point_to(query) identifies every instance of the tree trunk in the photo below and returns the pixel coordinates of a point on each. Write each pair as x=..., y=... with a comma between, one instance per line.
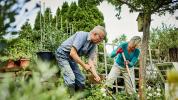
x=173, y=54
x=144, y=48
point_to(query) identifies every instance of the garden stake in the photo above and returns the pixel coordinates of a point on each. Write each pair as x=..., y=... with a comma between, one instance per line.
x=113, y=97
x=127, y=68
x=128, y=71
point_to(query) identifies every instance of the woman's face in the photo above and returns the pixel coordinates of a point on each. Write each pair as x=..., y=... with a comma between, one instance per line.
x=131, y=46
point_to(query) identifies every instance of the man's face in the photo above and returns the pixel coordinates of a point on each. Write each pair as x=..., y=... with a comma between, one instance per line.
x=97, y=36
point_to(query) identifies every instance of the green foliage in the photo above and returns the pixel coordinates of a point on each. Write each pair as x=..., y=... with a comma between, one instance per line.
x=9, y=9
x=95, y=93
x=6, y=13
x=153, y=93
x=57, y=19
x=121, y=38
x=21, y=48
x=68, y=20
x=163, y=39
x=146, y=6
x=34, y=85
x=70, y=14
x=37, y=21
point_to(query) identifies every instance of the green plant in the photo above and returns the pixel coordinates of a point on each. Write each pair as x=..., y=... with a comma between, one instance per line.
x=34, y=85
x=95, y=93
x=124, y=96
x=154, y=93
x=21, y=48
x=163, y=39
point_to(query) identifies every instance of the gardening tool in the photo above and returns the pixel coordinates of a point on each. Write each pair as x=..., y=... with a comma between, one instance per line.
x=127, y=67
x=108, y=92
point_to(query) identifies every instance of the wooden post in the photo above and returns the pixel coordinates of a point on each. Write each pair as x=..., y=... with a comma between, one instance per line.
x=96, y=60
x=105, y=61
x=151, y=62
x=116, y=79
x=140, y=91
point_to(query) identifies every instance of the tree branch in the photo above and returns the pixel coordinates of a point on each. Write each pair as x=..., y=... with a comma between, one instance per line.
x=131, y=6
x=160, y=6
x=165, y=9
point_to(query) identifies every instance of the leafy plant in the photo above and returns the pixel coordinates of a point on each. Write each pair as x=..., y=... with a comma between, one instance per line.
x=31, y=86
x=21, y=48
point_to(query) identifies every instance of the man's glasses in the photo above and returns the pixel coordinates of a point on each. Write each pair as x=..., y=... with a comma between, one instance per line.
x=100, y=37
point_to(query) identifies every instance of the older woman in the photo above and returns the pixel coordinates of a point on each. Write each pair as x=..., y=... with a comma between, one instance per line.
x=131, y=53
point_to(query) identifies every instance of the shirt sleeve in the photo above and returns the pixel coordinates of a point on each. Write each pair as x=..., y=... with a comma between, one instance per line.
x=114, y=52
x=135, y=58
x=79, y=40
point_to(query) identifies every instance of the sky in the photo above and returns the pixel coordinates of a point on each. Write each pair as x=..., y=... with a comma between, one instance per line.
x=126, y=25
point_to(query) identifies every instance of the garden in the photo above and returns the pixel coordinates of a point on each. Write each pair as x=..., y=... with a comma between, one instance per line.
x=29, y=70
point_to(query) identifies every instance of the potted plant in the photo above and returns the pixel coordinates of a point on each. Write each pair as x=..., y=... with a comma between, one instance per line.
x=46, y=44
x=21, y=52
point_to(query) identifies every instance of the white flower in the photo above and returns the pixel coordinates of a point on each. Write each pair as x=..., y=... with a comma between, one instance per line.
x=149, y=94
x=104, y=94
x=148, y=97
x=103, y=90
x=158, y=94
x=158, y=89
x=149, y=88
x=154, y=92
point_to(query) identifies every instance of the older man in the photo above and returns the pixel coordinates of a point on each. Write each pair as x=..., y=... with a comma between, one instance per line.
x=68, y=56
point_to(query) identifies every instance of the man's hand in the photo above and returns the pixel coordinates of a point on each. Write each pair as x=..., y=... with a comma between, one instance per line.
x=97, y=78
x=87, y=67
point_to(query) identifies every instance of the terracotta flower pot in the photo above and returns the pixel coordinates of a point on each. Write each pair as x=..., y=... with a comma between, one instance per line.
x=24, y=62
x=10, y=64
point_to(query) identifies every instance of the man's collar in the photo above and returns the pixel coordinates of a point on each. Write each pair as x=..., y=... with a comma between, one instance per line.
x=89, y=36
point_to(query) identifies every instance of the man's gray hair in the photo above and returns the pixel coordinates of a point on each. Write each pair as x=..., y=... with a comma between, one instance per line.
x=98, y=27
x=135, y=40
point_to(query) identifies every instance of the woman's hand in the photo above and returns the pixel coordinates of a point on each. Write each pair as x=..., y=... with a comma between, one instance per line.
x=126, y=62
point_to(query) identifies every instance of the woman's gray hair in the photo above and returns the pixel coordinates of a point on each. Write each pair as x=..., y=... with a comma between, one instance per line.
x=135, y=40
x=98, y=27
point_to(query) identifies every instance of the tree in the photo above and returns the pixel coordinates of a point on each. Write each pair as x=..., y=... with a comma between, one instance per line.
x=57, y=19
x=47, y=17
x=71, y=11
x=37, y=21
x=64, y=10
x=147, y=8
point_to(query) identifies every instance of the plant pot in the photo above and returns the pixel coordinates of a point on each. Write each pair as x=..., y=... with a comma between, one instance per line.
x=24, y=62
x=11, y=64
x=173, y=54
x=46, y=56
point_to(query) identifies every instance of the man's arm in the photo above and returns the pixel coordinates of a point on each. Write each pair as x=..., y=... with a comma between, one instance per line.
x=93, y=68
x=75, y=56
